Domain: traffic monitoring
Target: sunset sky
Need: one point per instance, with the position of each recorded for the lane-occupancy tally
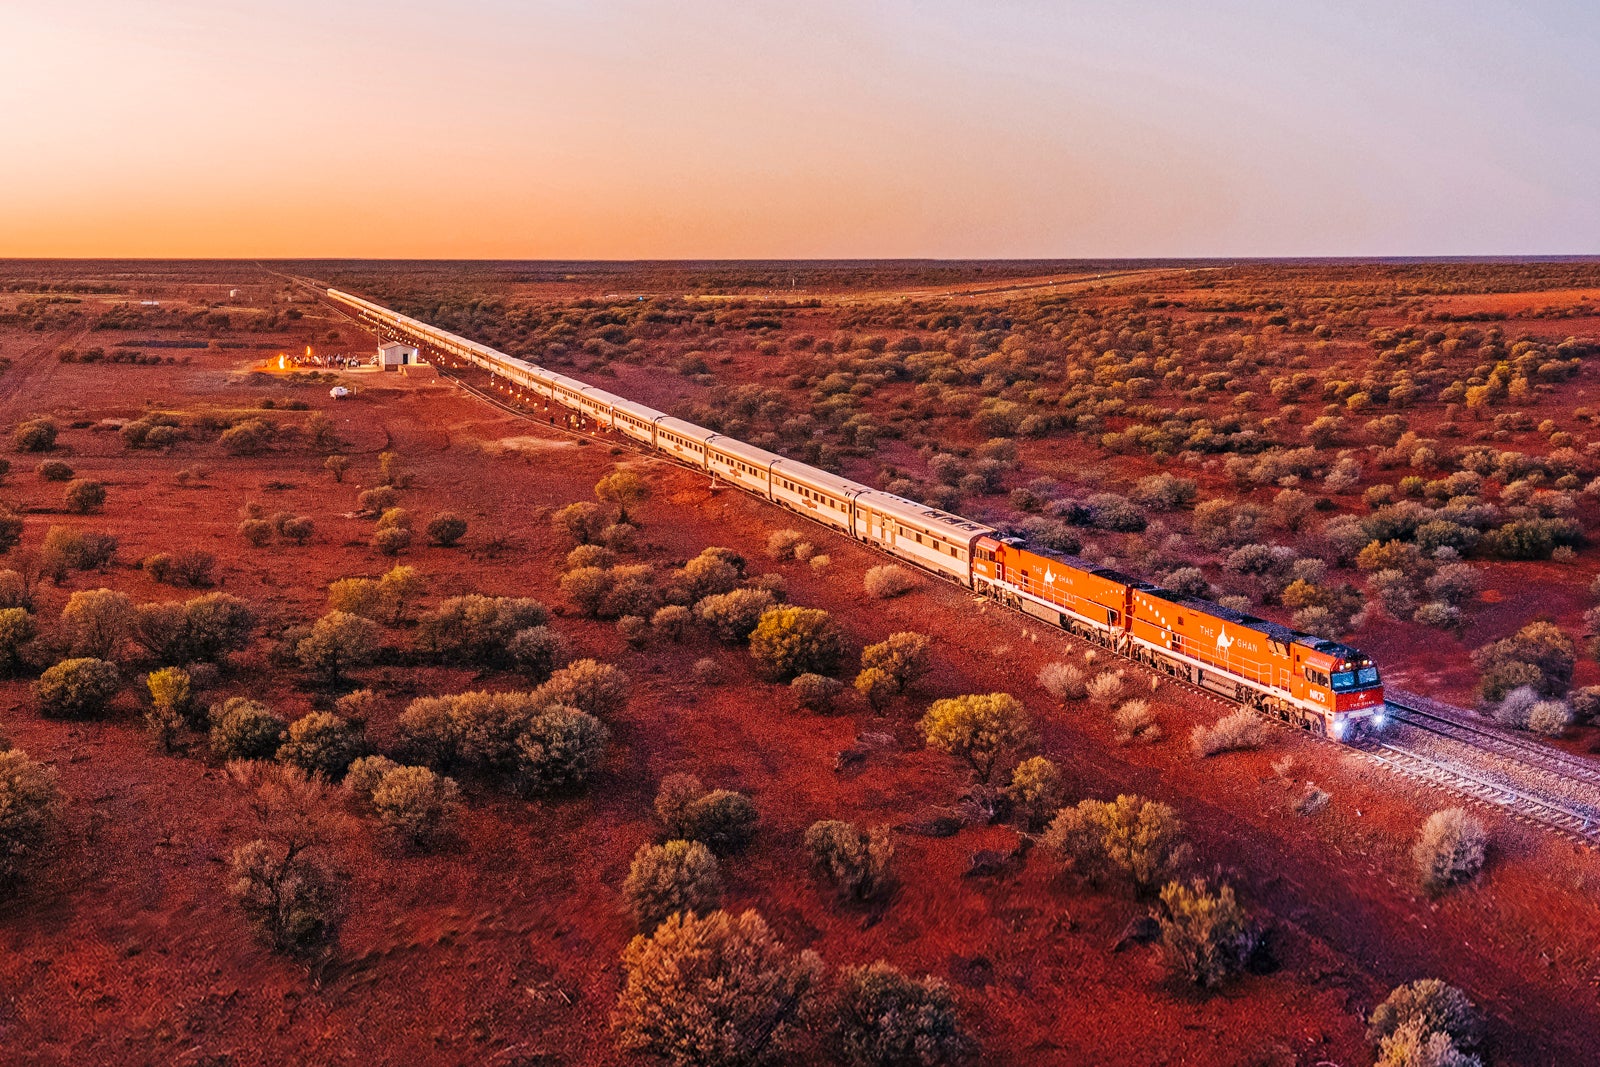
(519, 129)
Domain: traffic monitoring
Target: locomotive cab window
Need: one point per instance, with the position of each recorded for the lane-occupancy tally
(1344, 680)
(1367, 676)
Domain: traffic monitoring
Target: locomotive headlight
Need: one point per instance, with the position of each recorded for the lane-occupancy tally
(1379, 718)
(1340, 727)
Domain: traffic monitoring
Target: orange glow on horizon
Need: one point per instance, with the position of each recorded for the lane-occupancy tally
(611, 130)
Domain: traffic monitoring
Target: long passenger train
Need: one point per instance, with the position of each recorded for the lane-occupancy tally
(1320, 685)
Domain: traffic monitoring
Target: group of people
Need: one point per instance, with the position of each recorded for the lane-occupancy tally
(336, 362)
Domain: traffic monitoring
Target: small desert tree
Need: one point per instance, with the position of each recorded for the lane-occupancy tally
(336, 466)
(1035, 791)
(714, 991)
(337, 642)
(1129, 838)
(398, 590)
(679, 876)
(582, 521)
(171, 701)
(30, 807)
(884, 1018)
(17, 628)
(790, 641)
(624, 489)
(97, 621)
(979, 730)
(284, 880)
(855, 862)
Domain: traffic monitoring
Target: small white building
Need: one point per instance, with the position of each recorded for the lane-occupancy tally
(393, 354)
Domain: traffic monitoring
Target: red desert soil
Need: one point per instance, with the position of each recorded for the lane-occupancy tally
(504, 949)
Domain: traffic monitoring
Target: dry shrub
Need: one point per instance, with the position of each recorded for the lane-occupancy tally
(1063, 681)
(714, 990)
(1431, 1006)
(1234, 732)
(1134, 719)
(30, 809)
(416, 804)
(1035, 791)
(1130, 838)
(708, 671)
(284, 880)
(320, 743)
(723, 820)
(782, 543)
(559, 751)
(1105, 687)
(672, 622)
(888, 580)
(679, 876)
(76, 688)
(816, 693)
(883, 1018)
(1549, 718)
(599, 689)
(364, 774)
(1205, 936)
(855, 862)
(1312, 801)
(732, 616)
(244, 729)
(1450, 849)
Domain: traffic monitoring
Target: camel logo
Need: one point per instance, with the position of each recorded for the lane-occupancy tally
(1224, 642)
(1049, 576)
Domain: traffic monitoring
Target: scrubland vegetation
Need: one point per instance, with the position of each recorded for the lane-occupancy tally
(602, 711)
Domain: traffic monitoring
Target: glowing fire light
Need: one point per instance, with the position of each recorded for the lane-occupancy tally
(283, 361)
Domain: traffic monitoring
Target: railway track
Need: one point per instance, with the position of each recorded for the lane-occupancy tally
(1497, 741)
(1570, 821)
(1534, 783)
